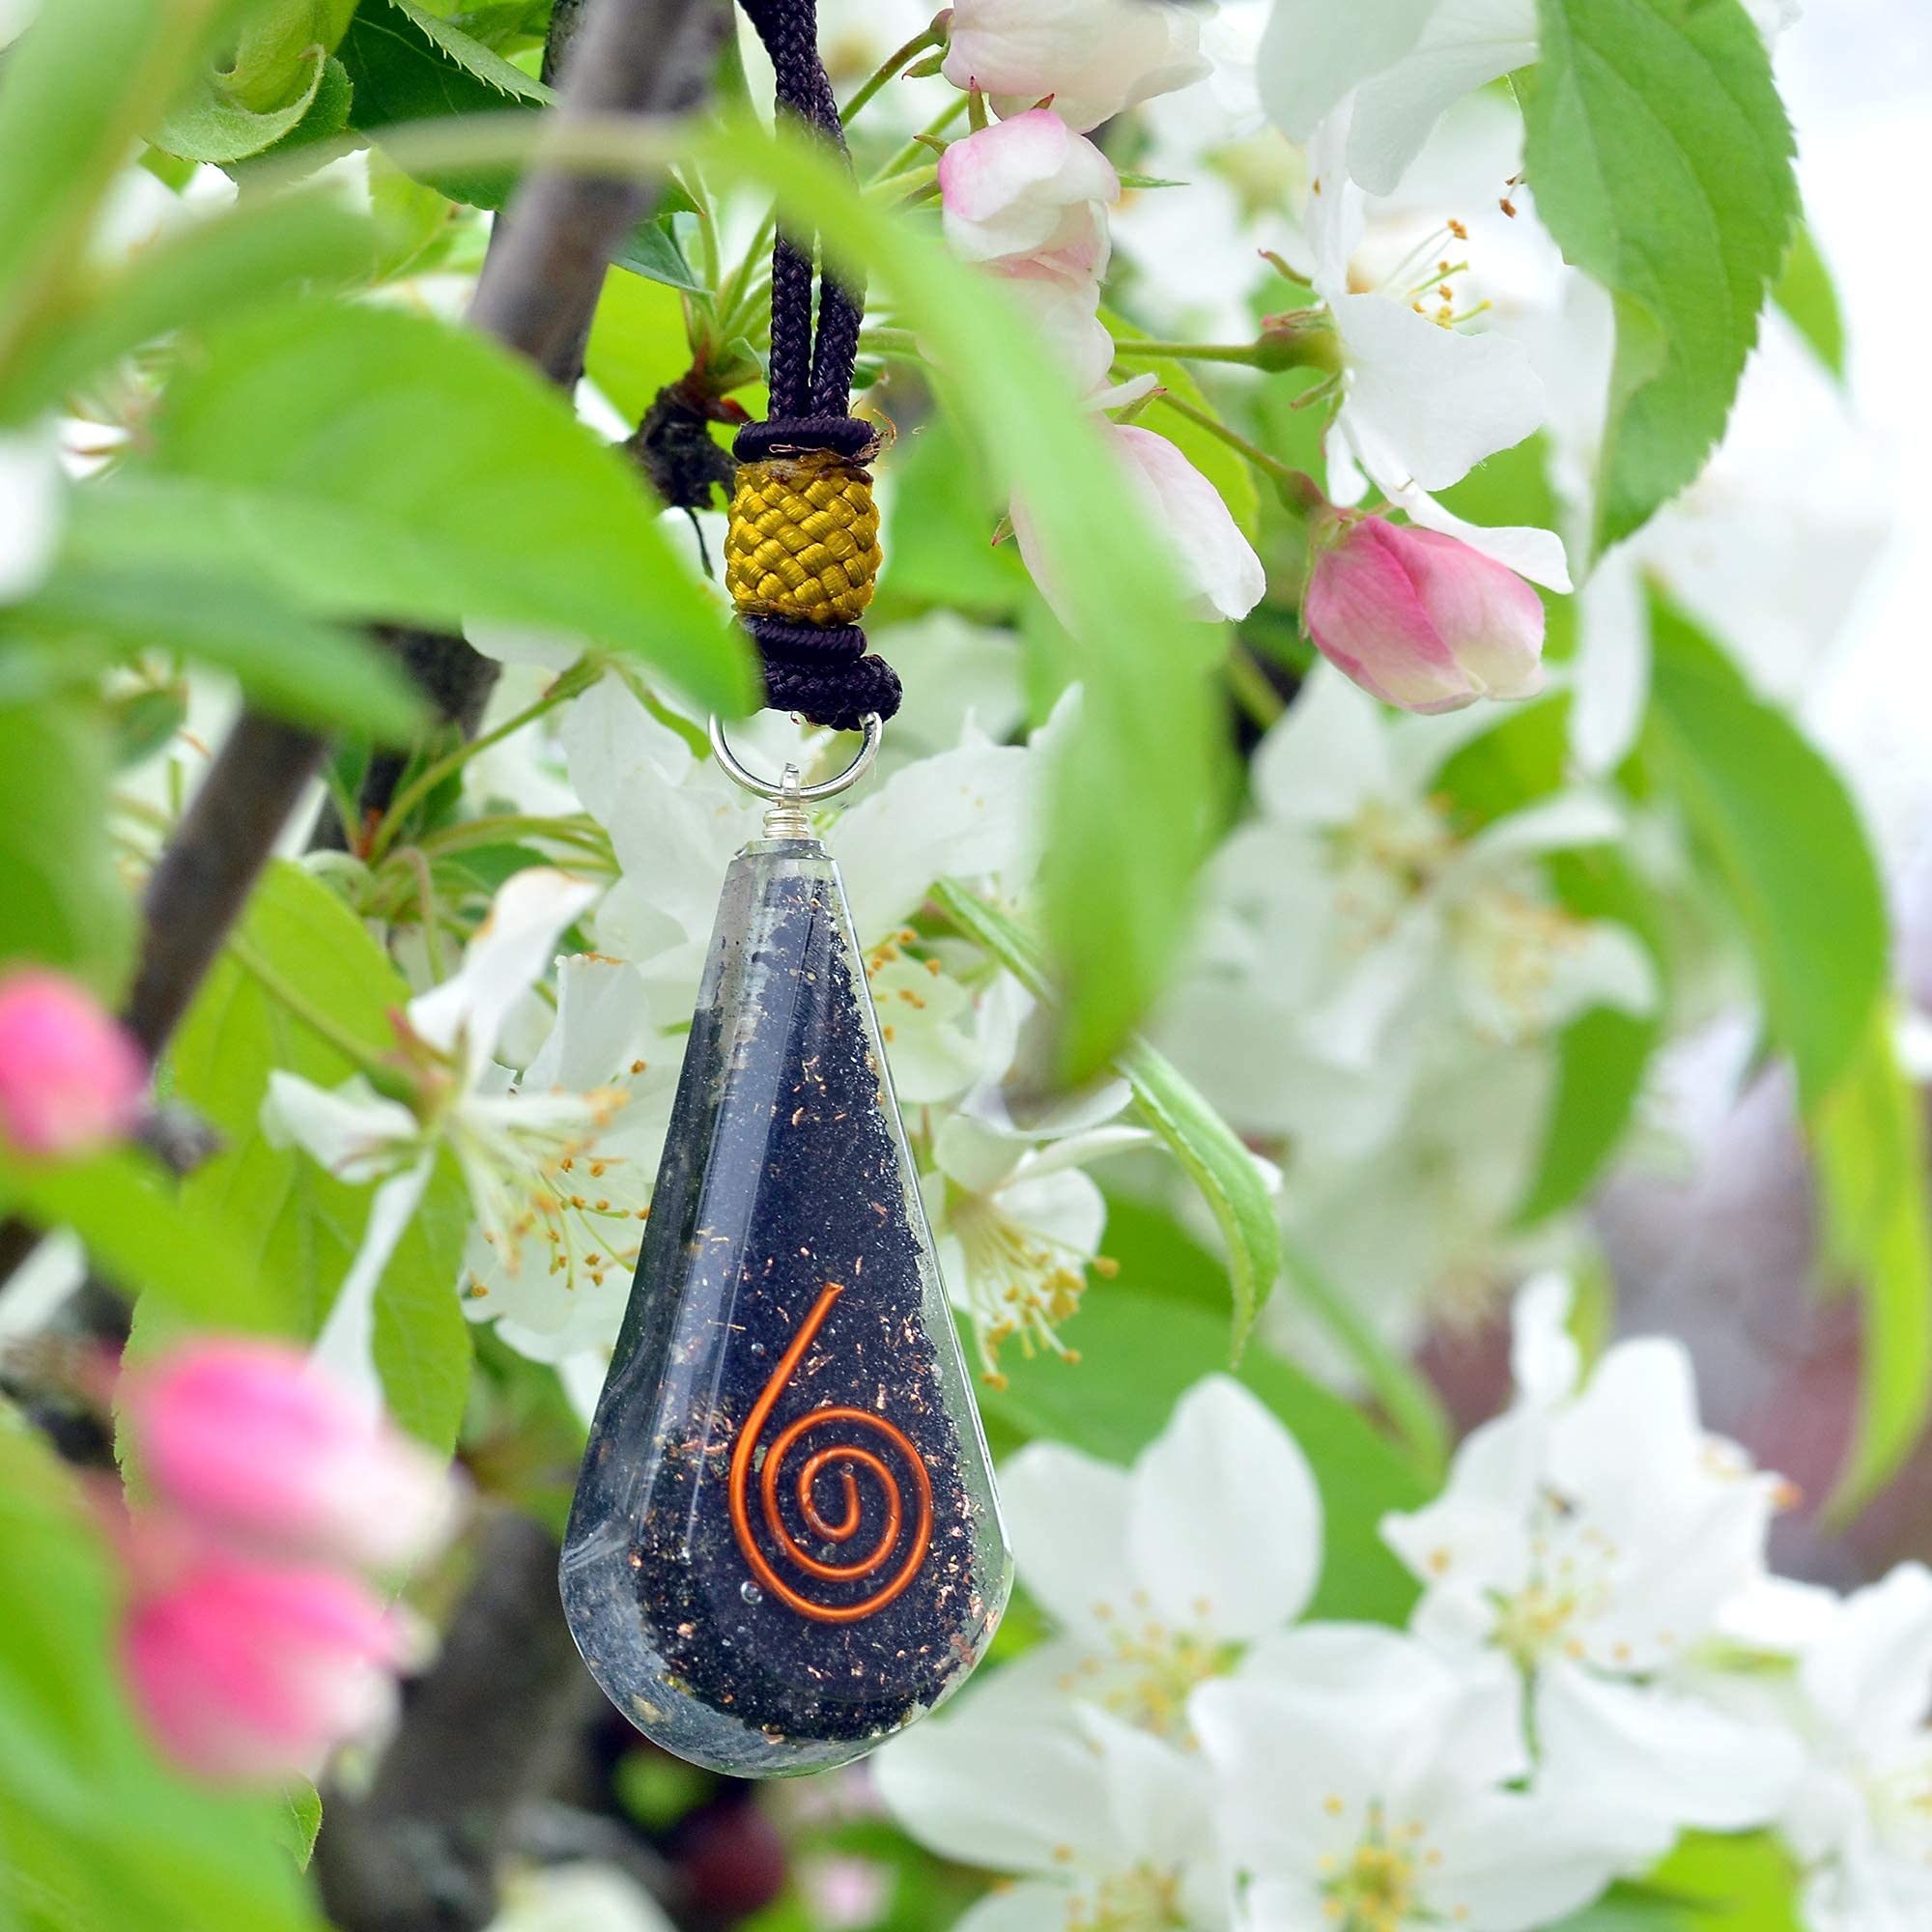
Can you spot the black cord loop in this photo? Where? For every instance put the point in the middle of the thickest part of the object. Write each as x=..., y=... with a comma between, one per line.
x=825, y=677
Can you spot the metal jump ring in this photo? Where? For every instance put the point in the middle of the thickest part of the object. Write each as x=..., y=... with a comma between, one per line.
x=789, y=791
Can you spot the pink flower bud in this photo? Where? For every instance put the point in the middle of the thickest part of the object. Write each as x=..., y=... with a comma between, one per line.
x=1095, y=57
x=250, y=1673
x=1419, y=619
x=1029, y=190
x=69, y=1077
x=247, y=1440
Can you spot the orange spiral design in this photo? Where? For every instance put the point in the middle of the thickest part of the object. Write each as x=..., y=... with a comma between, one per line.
x=846, y=1459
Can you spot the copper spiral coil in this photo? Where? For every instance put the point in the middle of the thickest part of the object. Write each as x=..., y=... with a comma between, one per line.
x=845, y=1459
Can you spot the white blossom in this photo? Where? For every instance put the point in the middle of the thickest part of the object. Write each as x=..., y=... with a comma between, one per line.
x=1859, y=1818
x=1158, y=1577
x=510, y=1148
x=1093, y=58
x=1593, y=1536
x=1364, y=1785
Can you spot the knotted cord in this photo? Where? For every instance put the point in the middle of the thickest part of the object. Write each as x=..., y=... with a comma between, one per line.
x=802, y=553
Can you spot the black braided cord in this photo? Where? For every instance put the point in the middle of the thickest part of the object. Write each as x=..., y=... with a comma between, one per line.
x=824, y=674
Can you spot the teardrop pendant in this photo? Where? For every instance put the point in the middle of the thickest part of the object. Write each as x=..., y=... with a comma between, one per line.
x=784, y=1544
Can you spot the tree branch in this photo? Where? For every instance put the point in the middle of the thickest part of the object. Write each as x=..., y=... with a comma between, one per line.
x=544, y=269
x=207, y=869
x=419, y=1851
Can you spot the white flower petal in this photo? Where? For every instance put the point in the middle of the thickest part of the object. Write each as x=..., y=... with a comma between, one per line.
x=509, y=953
x=1870, y=1673
x=1313, y=52
x=1009, y=1796
x=602, y=1025
x=1066, y=1516
x=1326, y=759
x=1424, y=403
x=1650, y=1752
x=1531, y=553
x=353, y=1132
x=1544, y=1361
x=1466, y=44
x=1612, y=672
x=965, y=815
x=33, y=508
x=344, y=1349
x=1217, y=565
x=1225, y=1520
x=1033, y=1904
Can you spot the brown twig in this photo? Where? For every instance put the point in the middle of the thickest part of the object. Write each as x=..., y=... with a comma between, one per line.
x=544, y=266
x=419, y=1851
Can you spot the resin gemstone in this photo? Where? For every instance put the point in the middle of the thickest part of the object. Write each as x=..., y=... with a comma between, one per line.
x=784, y=1544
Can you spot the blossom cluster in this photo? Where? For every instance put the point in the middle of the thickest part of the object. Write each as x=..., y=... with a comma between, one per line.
x=254, y=1647
x=1026, y=198
x=560, y=1159
x=1428, y=618
x=1597, y=1659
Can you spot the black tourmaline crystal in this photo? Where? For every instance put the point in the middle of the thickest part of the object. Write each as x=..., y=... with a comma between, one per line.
x=784, y=1544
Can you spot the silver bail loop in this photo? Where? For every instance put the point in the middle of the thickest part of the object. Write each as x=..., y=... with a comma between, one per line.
x=785, y=816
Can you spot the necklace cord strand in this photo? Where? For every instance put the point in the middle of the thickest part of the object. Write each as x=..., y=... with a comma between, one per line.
x=802, y=553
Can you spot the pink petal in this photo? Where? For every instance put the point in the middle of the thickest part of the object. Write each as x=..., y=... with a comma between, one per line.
x=71, y=1078
x=1365, y=616
x=249, y=1673
x=249, y=1440
x=1485, y=613
x=1218, y=565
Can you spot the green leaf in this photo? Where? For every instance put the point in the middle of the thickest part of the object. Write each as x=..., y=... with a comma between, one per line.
x=291, y=665
x=1601, y=1060
x=78, y=92
x=1224, y=468
x=652, y=250
x=406, y=65
x=1140, y=1353
x=1743, y=1882
x=96, y=1832
x=1868, y=1134
x=1135, y=785
x=257, y=250
x=1660, y=158
x=1808, y=294
x=1788, y=844
x=637, y=344
x=140, y=1235
x=371, y=463
x=300, y=1225
x=301, y=1822
x=327, y=116
x=939, y=534
x=1603, y=1054
x=1210, y=1153
x=64, y=902
x=211, y=125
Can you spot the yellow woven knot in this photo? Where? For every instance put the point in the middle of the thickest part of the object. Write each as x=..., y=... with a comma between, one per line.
x=804, y=541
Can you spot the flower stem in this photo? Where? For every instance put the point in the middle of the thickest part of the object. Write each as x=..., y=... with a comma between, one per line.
x=1299, y=490
x=426, y=910
x=1253, y=693
x=567, y=685
x=357, y=1052
x=899, y=345
x=592, y=844
x=888, y=69
x=1133, y=349
x=916, y=146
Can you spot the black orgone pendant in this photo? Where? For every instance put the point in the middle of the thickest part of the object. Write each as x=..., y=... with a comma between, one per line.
x=784, y=1544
